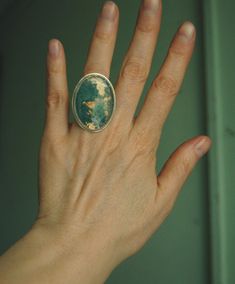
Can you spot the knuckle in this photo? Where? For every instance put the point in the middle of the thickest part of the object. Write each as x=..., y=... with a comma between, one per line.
x=176, y=51
x=115, y=139
x=135, y=69
x=146, y=24
x=55, y=69
x=113, y=144
x=52, y=148
x=55, y=98
x=142, y=145
x=184, y=165
x=48, y=145
x=167, y=85
x=102, y=35
x=96, y=67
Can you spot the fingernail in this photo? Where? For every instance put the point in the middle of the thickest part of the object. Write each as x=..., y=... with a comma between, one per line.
x=109, y=10
x=151, y=4
x=202, y=146
x=54, y=47
x=187, y=31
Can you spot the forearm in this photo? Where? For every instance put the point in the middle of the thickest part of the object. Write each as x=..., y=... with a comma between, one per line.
x=40, y=258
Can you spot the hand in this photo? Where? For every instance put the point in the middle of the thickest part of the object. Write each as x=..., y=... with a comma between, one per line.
x=100, y=196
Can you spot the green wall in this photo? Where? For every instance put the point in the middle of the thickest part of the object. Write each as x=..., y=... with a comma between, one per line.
x=219, y=42
x=191, y=246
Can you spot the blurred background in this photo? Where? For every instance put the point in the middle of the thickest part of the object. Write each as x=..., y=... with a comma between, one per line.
x=196, y=243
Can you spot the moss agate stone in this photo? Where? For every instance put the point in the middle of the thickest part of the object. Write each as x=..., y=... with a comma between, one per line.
x=93, y=102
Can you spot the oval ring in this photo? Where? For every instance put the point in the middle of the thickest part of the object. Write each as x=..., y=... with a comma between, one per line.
x=93, y=102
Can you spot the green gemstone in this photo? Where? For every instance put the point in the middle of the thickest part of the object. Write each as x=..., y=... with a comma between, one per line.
x=93, y=102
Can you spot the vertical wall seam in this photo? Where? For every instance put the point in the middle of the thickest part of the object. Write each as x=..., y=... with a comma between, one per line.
x=214, y=126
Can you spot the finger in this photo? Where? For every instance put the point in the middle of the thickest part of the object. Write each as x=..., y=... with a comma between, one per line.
x=166, y=85
x=57, y=90
x=178, y=167
x=137, y=62
x=103, y=41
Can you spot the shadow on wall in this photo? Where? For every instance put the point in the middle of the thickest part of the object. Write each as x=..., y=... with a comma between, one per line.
x=1, y=92
x=5, y=5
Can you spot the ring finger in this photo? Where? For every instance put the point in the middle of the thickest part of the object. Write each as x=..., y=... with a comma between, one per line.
x=166, y=85
x=102, y=45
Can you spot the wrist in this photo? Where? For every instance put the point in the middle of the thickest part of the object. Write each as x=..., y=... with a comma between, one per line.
x=46, y=255
x=85, y=258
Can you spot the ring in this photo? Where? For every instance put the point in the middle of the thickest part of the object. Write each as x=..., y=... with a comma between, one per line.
x=93, y=102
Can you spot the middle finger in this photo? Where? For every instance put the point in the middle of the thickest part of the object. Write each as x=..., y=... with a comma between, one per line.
x=137, y=62
x=102, y=45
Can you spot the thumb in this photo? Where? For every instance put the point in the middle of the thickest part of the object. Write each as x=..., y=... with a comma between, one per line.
x=180, y=164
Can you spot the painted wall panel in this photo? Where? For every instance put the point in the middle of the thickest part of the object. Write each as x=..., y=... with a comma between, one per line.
x=220, y=62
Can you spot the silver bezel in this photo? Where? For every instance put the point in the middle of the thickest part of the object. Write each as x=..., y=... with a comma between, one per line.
x=77, y=119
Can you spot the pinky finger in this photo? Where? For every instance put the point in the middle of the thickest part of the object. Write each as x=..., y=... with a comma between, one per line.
x=178, y=167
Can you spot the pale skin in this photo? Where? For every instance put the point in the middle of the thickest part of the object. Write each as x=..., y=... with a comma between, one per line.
x=100, y=196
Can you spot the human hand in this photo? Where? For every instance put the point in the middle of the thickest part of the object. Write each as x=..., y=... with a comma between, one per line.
x=100, y=196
